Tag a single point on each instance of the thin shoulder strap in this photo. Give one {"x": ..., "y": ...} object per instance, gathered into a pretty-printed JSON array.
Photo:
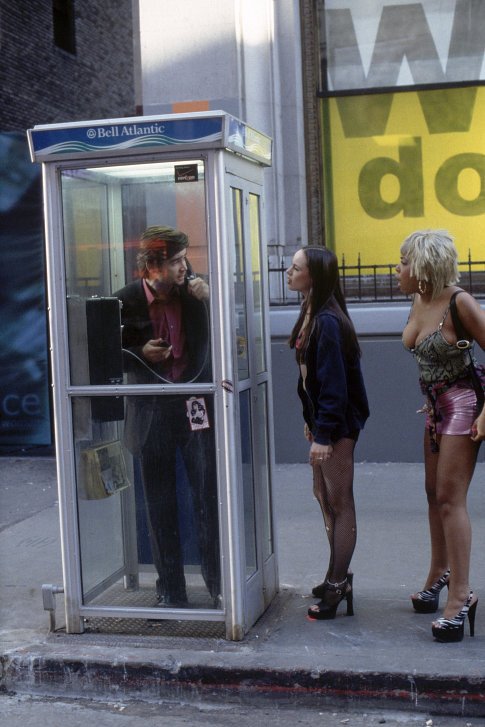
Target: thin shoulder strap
[
  {"x": 465, "y": 342},
  {"x": 461, "y": 332}
]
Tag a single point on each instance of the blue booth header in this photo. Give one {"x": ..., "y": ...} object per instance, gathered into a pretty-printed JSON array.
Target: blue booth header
[{"x": 115, "y": 137}]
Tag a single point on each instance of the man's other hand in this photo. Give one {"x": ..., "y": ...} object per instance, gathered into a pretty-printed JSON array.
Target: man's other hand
[{"x": 156, "y": 351}]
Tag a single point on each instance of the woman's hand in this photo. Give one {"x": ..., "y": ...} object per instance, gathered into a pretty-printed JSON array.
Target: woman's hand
[
  {"x": 320, "y": 453},
  {"x": 478, "y": 428},
  {"x": 307, "y": 433}
]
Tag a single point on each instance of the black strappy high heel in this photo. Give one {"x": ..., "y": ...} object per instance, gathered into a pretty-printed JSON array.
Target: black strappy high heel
[
  {"x": 428, "y": 601},
  {"x": 453, "y": 629},
  {"x": 319, "y": 591},
  {"x": 334, "y": 594}
]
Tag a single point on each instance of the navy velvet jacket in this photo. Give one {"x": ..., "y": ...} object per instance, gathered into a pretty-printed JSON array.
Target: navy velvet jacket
[{"x": 334, "y": 397}]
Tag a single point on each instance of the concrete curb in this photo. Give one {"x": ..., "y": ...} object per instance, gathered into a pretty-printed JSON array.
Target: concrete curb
[{"x": 173, "y": 676}]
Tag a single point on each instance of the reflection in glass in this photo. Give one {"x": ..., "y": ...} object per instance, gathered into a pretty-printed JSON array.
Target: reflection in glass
[
  {"x": 255, "y": 232},
  {"x": 105, "y": 212},
  {"x": 264, "y": 473},
  {"x": 248, "y": 483},
  {"x": 148, "y": 505},
  {"x": 240, "y": 284}
]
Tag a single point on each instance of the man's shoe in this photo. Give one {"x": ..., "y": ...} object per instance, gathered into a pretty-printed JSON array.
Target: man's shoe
[{"x": 169, "y": 602}]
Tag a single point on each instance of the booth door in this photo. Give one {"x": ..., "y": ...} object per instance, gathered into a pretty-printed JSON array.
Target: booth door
[
  {"x": 143, "y": 428},
  {"x": 254, "y": 393}
]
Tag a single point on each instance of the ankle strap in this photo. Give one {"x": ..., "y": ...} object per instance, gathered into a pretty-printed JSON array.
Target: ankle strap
[{"x": 335, "y": 586}]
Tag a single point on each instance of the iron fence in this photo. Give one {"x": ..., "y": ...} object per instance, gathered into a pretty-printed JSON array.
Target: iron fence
[{"x": 369, "y": 283}]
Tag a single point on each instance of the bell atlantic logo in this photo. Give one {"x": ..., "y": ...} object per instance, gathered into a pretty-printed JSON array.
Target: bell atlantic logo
[
  {"x": 125, "y": 130},
  {"x": 111, "y": 132}
]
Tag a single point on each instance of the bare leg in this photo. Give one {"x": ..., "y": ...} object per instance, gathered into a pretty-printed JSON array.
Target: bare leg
[
  {"x": 439, "y": 556},
  {"x": 456, "y": 463}
]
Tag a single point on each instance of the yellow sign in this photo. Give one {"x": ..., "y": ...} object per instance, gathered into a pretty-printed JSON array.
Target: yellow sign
[{"x": 395, "y": 163}]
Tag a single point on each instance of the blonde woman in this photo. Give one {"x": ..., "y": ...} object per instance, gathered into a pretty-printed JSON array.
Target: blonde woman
[{"x": 428, "y": 271}]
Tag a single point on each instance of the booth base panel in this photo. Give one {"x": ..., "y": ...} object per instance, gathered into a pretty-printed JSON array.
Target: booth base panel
[
  {"x": 144, "y": 597},
  {"x": 168, "y": 629}
]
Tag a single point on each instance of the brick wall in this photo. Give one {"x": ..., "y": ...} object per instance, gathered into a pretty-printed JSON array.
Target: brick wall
[{"x": 40, "y": 83}]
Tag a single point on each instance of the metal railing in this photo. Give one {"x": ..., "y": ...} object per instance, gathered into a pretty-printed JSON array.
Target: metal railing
[{"x": 368, "y": 283}]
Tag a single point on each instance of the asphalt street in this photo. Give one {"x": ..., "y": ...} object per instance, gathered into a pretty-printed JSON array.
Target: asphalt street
[{"x": 26, "y": 711}]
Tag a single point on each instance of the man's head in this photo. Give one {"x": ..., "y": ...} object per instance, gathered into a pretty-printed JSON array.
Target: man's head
[{"x": 162, "y": 255}]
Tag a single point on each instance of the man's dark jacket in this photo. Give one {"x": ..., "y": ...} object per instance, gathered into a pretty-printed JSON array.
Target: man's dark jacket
[{"x": 137, "y": 330}]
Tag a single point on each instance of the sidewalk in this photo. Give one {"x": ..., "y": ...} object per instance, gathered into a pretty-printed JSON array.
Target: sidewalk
[{"x": 384, "y": 655}]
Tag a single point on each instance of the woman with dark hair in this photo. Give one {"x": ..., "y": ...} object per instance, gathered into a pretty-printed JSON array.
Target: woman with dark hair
[{"x": 335, "y": 409}]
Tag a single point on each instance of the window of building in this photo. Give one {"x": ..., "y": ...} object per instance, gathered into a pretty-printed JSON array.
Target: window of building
[{"x": 64, "y": 26}]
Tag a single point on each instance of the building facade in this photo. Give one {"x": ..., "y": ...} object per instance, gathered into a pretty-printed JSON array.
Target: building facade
[
  {"x": 244, "y": 57},
  {"x": 61, "y": 61},
  {"x": 64, "y": 60}
]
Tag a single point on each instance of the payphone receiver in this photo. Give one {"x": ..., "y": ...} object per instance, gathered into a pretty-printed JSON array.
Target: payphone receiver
[{"x": 190, "y": 275}]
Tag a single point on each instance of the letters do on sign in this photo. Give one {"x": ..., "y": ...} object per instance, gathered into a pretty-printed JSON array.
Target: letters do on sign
[{"x": 419, "y": 161}]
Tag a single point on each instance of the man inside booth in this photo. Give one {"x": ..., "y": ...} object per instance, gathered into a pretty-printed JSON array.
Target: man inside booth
[{"x": 166, "y": 340}]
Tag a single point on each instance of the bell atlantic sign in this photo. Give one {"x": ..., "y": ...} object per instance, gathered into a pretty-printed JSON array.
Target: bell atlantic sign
[{"x": 393, "y": 161}]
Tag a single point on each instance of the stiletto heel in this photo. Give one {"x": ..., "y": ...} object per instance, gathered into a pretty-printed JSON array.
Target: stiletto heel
[
  {"x": 453, "y": 629},
  {"x": 350, "y": 597},
  {"x": 334, "y": 594},
  {"x": 471, "y": 617},
  {"x": 428, "y": 601}
]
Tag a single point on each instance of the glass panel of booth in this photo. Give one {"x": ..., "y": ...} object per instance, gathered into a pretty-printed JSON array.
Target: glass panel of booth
[
  {"x": 240, "y": 284},
  {"x": 256, "y": 252},
  {"x": 249, "y": 502},
  {"x": 137, "y": 285},
  {"x": 148, "y": 504},
  {"x": 106, "y": 211},
  {"x": 264, "y": 472}
]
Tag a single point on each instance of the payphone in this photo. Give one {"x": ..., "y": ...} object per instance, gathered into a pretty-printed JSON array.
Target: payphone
[{"x": 164, "y": 469}]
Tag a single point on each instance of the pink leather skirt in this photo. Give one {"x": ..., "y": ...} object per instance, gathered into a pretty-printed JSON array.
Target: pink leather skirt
[{"x": 455, "y": 411}]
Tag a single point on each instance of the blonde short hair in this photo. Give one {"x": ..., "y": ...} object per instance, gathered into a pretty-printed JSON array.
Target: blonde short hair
[{"x": 433, "y": 258}]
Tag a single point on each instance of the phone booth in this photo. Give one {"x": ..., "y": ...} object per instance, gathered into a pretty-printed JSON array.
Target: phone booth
[{"x": 159, "y": 332}]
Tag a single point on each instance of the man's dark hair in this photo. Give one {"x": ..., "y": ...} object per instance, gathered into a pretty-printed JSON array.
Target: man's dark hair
[{"x": 158, "y": 244}]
